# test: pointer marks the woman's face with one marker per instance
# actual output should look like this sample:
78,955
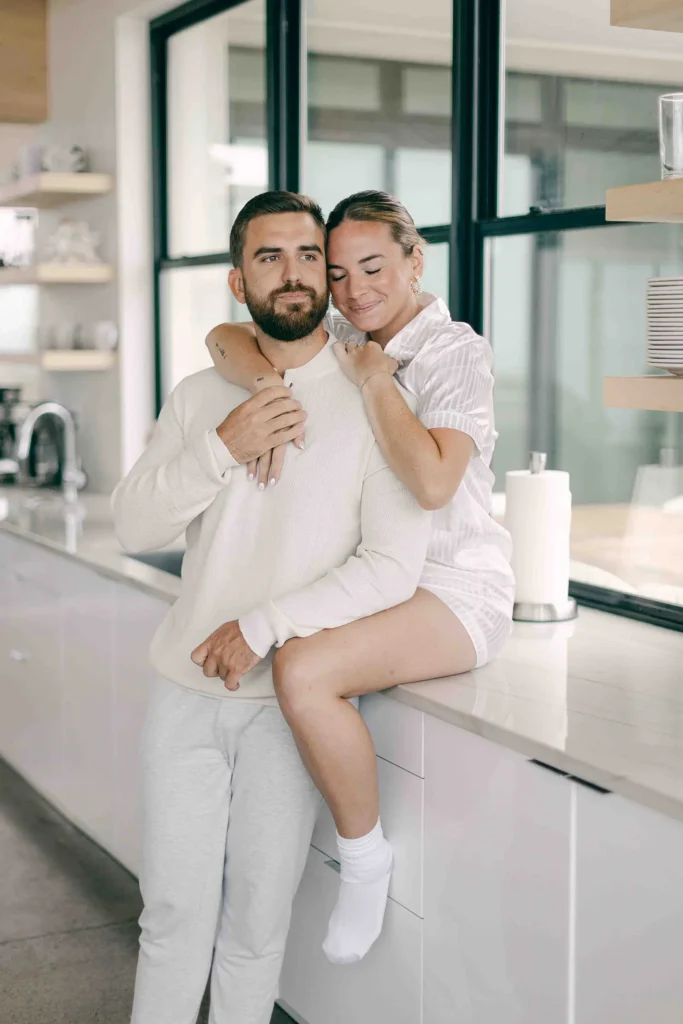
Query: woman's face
370,276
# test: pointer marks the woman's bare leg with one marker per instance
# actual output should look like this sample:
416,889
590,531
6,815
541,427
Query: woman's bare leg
420,639
416,640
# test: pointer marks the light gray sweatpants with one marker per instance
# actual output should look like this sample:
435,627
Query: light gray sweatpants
229,811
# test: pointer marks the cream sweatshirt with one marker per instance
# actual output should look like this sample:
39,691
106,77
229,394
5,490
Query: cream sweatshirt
337,539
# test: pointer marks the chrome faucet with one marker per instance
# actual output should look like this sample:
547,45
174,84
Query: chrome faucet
73,477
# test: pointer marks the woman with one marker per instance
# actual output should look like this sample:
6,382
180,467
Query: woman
461,614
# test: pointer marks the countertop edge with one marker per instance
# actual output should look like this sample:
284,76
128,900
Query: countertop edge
133,573
533,749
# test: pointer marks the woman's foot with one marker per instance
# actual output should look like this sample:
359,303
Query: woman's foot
356,920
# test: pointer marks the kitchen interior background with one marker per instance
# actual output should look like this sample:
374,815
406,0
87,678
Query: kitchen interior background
563,308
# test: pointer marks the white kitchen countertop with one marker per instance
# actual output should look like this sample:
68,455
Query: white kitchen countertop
600,698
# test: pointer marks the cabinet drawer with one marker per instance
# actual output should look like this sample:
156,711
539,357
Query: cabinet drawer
384,988
396,730
401,799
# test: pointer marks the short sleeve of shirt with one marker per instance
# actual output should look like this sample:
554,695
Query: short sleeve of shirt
457,387
342,330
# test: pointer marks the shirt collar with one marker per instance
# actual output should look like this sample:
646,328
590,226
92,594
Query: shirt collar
405,345
322,363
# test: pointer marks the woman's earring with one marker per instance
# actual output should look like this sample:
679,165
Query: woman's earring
416,285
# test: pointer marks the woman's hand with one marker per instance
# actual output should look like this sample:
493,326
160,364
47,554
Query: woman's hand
360,362
267,470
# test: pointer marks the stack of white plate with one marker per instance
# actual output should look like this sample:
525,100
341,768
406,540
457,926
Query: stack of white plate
665,323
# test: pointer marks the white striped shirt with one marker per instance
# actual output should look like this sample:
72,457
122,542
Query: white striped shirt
448,367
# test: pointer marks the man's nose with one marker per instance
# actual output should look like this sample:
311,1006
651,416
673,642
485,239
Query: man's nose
291,270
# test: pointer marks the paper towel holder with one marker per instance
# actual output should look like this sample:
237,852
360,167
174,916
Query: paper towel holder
524,611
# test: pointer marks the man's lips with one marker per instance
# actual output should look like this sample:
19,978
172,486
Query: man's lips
294,296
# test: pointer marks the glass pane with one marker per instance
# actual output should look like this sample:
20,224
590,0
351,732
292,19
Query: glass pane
217,153
567,310
193,300
435,278
581,104
379,85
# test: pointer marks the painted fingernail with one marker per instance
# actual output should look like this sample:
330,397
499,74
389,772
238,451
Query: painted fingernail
272,481
261,487
251,476
292,384
301,445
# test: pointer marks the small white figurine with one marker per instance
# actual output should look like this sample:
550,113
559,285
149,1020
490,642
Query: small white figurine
72,242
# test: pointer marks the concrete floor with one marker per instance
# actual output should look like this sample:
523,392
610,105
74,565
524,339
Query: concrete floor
68,919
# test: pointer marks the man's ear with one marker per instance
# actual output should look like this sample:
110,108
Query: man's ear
236,282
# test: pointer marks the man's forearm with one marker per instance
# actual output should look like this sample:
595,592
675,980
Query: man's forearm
170,485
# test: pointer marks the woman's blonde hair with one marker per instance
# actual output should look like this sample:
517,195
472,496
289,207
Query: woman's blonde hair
383,208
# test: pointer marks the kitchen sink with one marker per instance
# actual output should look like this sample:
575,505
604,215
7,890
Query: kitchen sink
168,561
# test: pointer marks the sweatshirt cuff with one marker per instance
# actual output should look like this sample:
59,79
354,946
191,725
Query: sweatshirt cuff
257,631
213,456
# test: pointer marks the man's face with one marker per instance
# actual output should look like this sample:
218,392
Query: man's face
283,278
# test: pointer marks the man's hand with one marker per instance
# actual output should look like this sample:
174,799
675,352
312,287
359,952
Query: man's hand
226,654
270,418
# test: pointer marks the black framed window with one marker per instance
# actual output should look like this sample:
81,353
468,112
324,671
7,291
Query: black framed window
561,294
505,171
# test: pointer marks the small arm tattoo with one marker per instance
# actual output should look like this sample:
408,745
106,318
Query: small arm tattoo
221,350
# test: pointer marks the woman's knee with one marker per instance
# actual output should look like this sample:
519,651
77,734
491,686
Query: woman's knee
294,675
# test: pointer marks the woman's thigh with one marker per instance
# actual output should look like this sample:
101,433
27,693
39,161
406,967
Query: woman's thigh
419,639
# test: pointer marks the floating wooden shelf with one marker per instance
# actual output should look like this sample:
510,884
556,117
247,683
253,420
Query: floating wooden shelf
656,393
52,189
63,360
657,201
58,273
660,15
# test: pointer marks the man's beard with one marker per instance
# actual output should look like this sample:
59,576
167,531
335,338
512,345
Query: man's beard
293,324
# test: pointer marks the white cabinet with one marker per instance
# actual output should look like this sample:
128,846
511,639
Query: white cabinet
138,616
496,884
384,988
89,785
74,683
30,663
629,913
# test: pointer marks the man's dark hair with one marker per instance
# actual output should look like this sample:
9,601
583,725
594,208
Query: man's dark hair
275,201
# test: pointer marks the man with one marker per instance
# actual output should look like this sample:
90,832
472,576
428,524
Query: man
229,808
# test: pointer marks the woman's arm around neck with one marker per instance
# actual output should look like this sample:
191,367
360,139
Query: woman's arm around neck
238,359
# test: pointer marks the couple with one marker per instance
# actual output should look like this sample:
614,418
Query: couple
304,584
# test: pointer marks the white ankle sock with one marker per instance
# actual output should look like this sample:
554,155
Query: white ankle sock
357,918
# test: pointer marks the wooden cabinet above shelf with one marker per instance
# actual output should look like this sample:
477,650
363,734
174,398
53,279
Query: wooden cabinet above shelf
655,393
659,15
53,189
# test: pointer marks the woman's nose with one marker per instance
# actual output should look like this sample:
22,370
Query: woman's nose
356,286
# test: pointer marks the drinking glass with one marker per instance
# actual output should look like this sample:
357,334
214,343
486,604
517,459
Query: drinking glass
671,134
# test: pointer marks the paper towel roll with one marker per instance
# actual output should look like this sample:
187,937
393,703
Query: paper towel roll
538,515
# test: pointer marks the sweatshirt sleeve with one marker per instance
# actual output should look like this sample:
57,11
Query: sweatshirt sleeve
384,571
174,480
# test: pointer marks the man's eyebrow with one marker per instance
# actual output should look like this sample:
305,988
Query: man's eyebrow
310,248
266,249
